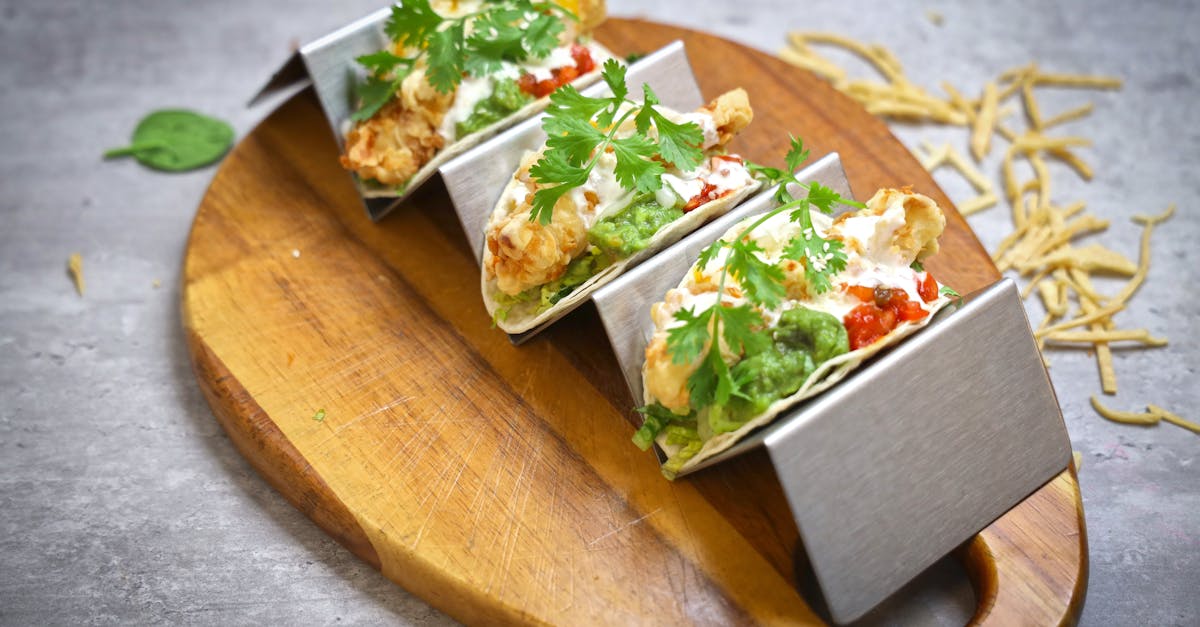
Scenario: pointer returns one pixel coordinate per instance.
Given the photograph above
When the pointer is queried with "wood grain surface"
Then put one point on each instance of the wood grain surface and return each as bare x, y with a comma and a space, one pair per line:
498, 482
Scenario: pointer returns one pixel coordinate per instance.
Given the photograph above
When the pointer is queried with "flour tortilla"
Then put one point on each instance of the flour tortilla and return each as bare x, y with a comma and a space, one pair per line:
524, 316
373, 189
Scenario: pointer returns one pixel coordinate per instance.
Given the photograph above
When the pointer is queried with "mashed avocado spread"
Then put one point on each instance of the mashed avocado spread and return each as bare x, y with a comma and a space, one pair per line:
505, 99
630, 230
801, 341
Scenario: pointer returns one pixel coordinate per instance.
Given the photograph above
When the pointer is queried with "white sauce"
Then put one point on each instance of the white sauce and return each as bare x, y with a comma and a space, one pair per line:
603, 183
472, 90
729, 175
706, 124
543, 69
469, 93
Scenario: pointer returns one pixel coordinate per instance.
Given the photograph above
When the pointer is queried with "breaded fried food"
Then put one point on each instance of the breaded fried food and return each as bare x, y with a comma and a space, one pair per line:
731, 112
403, 136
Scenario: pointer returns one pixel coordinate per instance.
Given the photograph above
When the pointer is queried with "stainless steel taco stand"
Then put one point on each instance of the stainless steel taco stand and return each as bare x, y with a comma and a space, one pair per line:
908, 457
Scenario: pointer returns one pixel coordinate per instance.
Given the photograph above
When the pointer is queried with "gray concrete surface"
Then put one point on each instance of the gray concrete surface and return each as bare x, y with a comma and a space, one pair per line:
121, 501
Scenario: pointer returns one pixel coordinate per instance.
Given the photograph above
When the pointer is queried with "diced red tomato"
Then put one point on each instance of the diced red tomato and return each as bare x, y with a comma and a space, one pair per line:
867, 323
883, 308
706, 194
559, 76
928, 288
861, 292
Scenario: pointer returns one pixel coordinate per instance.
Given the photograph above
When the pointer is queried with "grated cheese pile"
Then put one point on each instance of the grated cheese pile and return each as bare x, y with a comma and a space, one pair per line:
1043, 244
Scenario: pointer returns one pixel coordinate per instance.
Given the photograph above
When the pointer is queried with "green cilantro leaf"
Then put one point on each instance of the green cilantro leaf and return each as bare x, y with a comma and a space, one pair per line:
445, 59
822, 258
742, 328
372, 95
381, 63
796, 155
574, 137
679, 144
541, 35
567, 104
762, 281
687, 340
711, 383
918, 266
824, 198
411, 22
614, 74
710, 251
635, 169
553, 166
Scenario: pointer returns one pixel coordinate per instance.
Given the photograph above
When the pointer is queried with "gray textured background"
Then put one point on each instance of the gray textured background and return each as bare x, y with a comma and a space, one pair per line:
122, 501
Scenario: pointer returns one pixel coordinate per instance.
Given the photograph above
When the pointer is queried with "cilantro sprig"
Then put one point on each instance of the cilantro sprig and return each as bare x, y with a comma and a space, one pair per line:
502, 30
580, 129
742, 328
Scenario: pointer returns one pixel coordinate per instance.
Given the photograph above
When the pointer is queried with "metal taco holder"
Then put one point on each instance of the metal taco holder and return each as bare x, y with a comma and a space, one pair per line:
892, 468
908, 457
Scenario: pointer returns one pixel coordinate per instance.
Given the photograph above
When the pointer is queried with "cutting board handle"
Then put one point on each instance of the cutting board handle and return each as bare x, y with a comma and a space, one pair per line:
1025, 574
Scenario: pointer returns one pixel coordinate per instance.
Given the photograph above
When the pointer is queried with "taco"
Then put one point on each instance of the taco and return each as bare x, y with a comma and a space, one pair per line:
811, 340
416, 113
533, 271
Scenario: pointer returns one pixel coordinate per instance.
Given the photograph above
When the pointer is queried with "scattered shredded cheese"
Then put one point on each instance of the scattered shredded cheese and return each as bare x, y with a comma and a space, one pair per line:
75, 268
1042, 245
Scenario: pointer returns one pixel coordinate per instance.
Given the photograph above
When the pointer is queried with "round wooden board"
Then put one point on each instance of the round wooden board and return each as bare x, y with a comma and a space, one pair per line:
498, 482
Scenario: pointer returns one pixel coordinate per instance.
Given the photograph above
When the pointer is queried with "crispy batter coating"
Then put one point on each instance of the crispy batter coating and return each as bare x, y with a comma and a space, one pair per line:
666, 380
923, 221
403, 136
731, 112
525, 254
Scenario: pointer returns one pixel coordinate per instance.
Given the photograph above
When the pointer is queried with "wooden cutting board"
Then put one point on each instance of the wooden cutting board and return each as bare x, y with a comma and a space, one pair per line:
497, 482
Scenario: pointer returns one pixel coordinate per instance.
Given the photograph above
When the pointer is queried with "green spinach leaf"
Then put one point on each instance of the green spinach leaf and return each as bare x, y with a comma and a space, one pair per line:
176, 140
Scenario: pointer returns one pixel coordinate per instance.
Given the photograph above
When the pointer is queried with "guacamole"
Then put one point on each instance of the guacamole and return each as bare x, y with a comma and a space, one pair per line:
629, 231
505, 99
801, 341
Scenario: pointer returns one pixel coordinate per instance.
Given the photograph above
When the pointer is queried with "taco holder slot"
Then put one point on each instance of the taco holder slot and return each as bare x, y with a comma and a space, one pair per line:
905, 459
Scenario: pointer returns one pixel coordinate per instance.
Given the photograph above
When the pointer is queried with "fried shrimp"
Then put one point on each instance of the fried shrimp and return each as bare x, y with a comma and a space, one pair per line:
402, 137
526, 253
731, 113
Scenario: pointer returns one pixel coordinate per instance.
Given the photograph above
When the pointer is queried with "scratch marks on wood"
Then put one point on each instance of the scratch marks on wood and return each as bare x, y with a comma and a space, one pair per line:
623, 527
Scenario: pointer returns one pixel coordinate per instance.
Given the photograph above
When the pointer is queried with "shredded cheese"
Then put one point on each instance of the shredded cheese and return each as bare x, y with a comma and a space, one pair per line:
1043, 243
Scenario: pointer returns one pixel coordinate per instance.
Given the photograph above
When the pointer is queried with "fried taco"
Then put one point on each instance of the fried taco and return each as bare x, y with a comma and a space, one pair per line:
849, 287
457, 73
534, 269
